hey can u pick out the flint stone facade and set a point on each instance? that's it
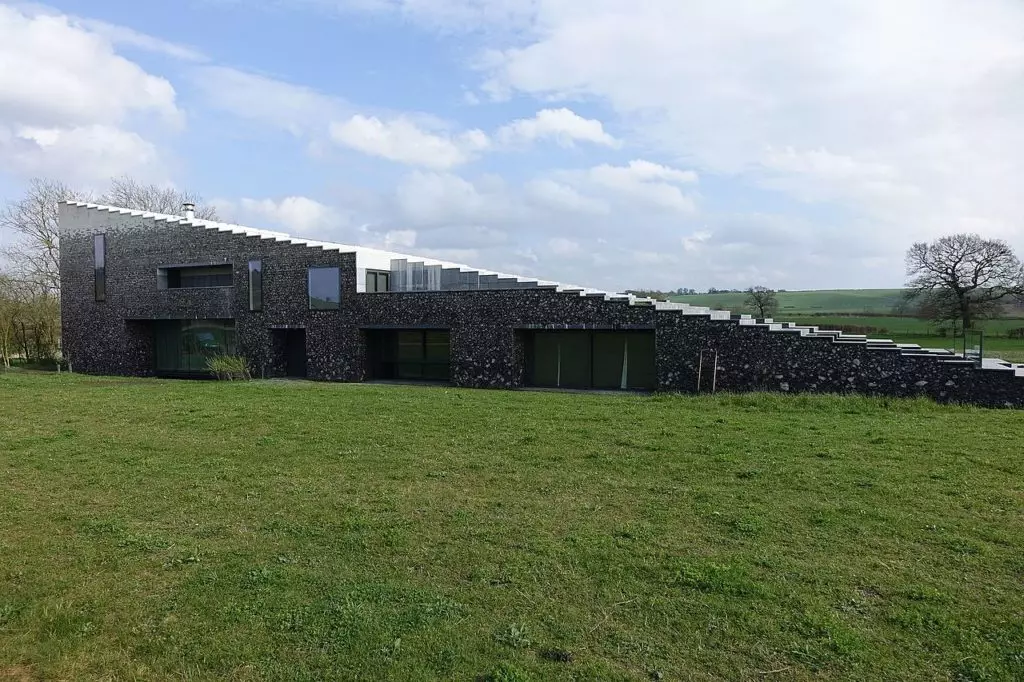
(489, 329)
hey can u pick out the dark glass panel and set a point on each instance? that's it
(324, 288)
(641, 373)
(545, 359)
(184, 346)
(99, 254)
(575, 360)
(609, 353)
(255, 285)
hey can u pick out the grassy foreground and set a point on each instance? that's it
(180, 530)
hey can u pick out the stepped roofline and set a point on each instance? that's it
(366, 257)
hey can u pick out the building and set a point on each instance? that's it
(149, 294)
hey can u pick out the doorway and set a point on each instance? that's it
(290, 352)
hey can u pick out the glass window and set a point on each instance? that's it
(255, 285)
(99, 255)
(324, 288)
(195, 277)
(377, 281)
(184, 346)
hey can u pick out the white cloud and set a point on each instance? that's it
(565, 248)
(81, 156)
(696, 240)
(56, 74)
(648, 182)
(440, 199)
(903, 116)
(876, 105)
(403, 141)
(564, 126)
(296, 215)
(294, 108)
(560, 196)
(399, 239)
(122, 35)
(70, 105)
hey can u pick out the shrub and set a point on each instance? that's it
(1016, 333)
(229, 367)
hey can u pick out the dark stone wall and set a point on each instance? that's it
(488, 328)
(756, 359)
(107, 337)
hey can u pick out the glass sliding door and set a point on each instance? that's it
(409, 354)
(182, 347)
(605, 360)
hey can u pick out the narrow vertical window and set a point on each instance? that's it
(99, 254)
(255, 285)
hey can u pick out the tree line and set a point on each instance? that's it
(30, 265)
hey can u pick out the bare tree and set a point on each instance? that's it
(29, 321)
(33, 220)
(126, 192)
(10, 309)
(963, 277)
(35, 253)
(762, 302)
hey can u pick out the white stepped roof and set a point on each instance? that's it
(378, 258)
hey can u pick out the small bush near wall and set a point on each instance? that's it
(229, 367)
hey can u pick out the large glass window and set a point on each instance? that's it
(324, 288)
(593, 359)
(255, 285)
(184, 346)
(377, 281)
(99, 263)
(414, 354)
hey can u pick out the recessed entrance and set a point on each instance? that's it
(586, 359)
(290, 352)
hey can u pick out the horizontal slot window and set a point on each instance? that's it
(195, 276)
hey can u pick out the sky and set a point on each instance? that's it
(616, 144)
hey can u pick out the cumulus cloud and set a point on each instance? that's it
(904, 117)
(79, 155)
(403, 141)
(296, 215)
(563, 125)
(56, 74)
(563, 197)
(647, 182)
(67, 101)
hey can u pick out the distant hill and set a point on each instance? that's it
(831, 301)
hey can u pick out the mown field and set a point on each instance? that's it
(296, 531)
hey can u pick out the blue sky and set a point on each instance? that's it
(615, 144)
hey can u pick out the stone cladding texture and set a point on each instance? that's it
(488, 328)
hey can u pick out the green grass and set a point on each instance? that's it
(248, 531)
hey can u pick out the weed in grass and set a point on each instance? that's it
(514, 635)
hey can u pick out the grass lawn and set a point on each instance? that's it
(189, 530)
